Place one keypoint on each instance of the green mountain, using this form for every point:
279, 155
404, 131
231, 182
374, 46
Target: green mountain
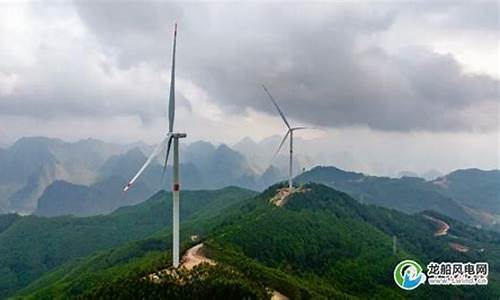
473, 187
319, 244
31, 246
327, 239
411, 194
64, 198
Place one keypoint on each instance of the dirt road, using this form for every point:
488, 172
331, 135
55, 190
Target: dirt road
443, 226
278, 296
194, 257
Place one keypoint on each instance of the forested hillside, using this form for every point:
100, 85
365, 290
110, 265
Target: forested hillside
31, 246
470, 196
320, 244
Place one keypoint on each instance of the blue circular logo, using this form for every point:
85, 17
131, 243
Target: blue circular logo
408, 275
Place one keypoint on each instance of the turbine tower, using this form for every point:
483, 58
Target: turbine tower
171, 136
288, 133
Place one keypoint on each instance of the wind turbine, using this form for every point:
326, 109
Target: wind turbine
171, 136
288, 133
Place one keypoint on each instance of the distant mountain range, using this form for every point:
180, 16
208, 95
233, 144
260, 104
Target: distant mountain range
473, 187
429, 175
471, 196
52, 177
31, 164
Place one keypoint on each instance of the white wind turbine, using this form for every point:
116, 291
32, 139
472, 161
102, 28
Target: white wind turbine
289, 132
168, 141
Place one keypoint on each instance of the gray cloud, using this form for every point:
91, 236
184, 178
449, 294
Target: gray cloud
314, 58
311, 59
457, 14
132, 30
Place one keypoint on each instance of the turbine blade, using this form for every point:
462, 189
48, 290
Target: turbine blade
281, 144
277, 107
166, 157
300, 128
144, 166
171, 104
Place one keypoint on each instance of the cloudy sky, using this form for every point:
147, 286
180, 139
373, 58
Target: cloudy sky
387, 86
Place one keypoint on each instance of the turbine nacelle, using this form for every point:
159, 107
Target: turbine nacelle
178, 135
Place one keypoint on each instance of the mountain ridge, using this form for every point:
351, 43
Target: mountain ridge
311, 247
408, 194
31, 245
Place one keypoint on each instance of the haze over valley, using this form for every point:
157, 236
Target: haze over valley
85, 178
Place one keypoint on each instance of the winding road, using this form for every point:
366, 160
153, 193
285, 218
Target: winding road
194, 257
443, 226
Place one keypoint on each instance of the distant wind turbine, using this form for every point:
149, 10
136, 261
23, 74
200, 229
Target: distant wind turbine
288, 133
168, 141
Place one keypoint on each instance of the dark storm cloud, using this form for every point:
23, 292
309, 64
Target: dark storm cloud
133, 30
310, 58
314, 58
